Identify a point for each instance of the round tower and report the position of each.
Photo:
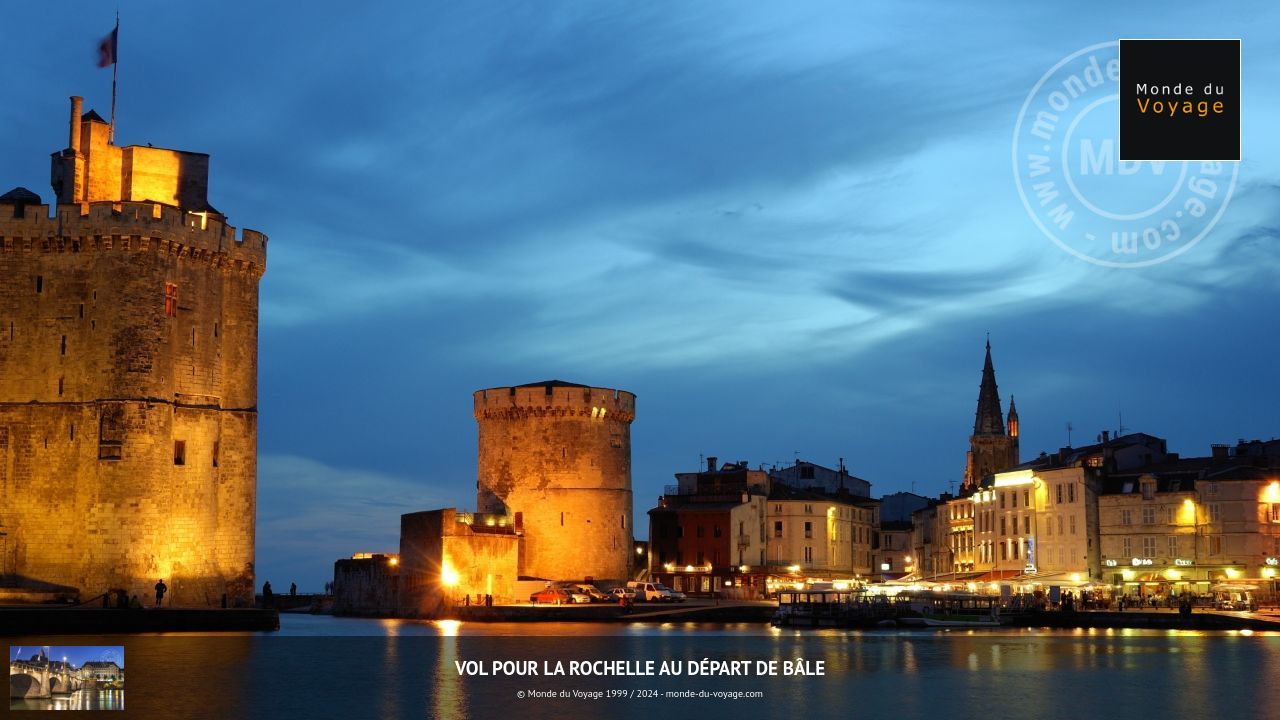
(128, 378)
(559, 455)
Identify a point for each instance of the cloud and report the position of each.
(310, 514)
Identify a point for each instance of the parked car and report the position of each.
(672, 595)
(619, 593)
(551, 596)
(592, 592)
(652, 592)
(577, 596)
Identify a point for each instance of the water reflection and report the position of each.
(326, 667)
(78, 700)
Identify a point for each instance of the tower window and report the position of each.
(170, 300)
(111, 433)
(216, 445)
(39, 283)
(62, 348)
(179, 452)
(60, 386)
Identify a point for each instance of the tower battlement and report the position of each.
(136, 226)
(555, 399)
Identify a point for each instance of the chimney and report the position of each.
(1106, 435)
(711, 463)
(76, 105)
(1220, 452)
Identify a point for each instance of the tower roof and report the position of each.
(989, 420)
(20, 195)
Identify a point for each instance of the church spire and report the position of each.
(1013, 418)
(989, 419)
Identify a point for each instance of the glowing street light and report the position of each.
(449, 576)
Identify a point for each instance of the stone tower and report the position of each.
(991, 449)
(559, 455)
(128, 378)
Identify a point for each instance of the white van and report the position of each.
(650, 592)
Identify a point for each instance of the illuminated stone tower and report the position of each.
(559, 454)
(128, 377)
(991, 449)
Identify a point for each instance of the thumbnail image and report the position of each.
(66, 677)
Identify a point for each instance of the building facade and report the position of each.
(707, 534)
(1188, 525)
(448, 557)
(128, 378)
(818, 535)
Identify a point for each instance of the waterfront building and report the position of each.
(707, 536)
(892, 557)
(103, 671)
(366, 584)
(448, 556)
(824, 535)
(961, 540)
(811, 476)
(1188, 524)
(128, 379)
(931, 541)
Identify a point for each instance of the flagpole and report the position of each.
(115, 70)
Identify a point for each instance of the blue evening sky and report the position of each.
(77, 655)
(787, 227)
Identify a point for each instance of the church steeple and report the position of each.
(989, 420)
(991, 450)
(1013, 418)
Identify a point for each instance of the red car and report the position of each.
(551, 596)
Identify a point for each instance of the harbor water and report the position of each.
(325, 667)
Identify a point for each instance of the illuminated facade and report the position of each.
(128, 378)
(447, 556)
(557, 456)
(825, 536)
(1191, 523)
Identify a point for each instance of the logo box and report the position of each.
(1179, 100)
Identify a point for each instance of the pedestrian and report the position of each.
(161, 589)
(466, 600)
(268, 598)
(293, 589)
(488, 600)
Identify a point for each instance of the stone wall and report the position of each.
(366, 586)
(128, 400)
(443, 559)
(559, 455)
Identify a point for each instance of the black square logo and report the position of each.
(1179, 100)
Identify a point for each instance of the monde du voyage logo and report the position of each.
(1131, 164)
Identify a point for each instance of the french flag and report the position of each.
(107, 49)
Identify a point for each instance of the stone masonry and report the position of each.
(128, 378)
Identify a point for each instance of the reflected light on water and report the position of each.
(448, 697)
